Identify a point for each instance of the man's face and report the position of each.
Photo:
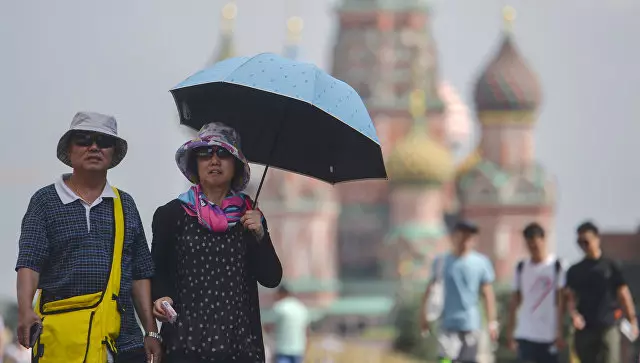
(91, 151)
(588, 241)
(535, 245)
(463, 239)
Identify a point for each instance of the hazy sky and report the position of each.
(121, 57)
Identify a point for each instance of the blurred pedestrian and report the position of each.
(291, 328)
(537, 285)
(595, 290)
(466, 275)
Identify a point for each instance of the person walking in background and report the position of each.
(595, 289)
(291, 328)
(3, 339)
(537, 285)
(211, 248)
(82, 239)
(466, 274)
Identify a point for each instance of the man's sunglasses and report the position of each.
(208, 152)
(88, 139)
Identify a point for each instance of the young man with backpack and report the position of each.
(536, 299)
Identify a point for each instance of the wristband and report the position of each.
(494, 325)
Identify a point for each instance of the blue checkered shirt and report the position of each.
(73, 260)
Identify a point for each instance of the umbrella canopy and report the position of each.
(290, 115)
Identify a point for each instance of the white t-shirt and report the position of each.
(538, 285)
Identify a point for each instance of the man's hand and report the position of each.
(494, 331)
(634, 327)
(578, 321)
(158, 310)
(252, 220)
(424, 327)
(512, 344)
(153, 348)
(26, 319)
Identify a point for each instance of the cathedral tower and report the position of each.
(302, 215)
(418, 167)
(502, 187)
(379, 45)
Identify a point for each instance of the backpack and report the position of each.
(557, 268)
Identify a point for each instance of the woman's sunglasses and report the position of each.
(87, 139)
(208, 152)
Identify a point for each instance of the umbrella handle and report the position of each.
(264, 174)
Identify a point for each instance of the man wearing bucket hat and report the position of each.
(82, 248)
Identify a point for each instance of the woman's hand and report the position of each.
(252, 220)
(158, 310)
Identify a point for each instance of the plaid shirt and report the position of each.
(73, 259)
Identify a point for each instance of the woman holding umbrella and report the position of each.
(211, 248)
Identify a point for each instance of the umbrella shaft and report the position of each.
(264, 174)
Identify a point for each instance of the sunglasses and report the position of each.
(208, 152)
(88, 139)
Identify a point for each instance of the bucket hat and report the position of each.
(214, 134)
(93, 122)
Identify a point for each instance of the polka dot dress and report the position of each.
(214, 304)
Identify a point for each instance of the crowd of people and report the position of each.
(84, 258)
(592, 293)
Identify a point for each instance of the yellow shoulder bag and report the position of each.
(81, 329)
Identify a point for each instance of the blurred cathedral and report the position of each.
(347, 249)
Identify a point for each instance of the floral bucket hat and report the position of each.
(214, 134)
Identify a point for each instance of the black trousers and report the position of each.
(132, 356)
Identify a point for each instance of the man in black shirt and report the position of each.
(595, 289)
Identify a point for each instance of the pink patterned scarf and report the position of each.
(215, 218)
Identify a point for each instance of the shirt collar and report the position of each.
(67, 195)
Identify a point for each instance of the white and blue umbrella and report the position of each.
(290, 115)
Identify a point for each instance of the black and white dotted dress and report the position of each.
(215, 296)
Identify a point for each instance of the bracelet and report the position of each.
(154, 335)
(494, 325)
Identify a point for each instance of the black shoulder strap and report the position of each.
(558, 270)
(519, 269)
(558, 267)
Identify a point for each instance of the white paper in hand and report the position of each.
(627, 330)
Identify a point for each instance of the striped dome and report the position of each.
(507, 83)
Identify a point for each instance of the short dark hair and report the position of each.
(466, 226)
(588, 227)
(238, 168)
(533, 230)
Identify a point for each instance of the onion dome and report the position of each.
(295, 24)
(226, 48)
(417, 158)
(507, 84)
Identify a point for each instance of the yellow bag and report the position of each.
(81, 329)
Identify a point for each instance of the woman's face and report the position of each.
(215, 166)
